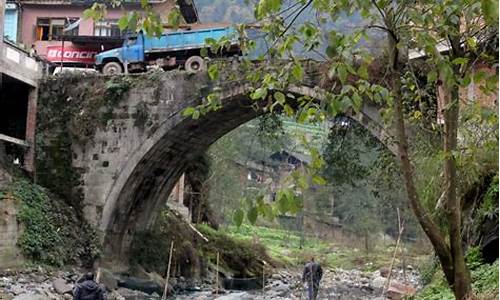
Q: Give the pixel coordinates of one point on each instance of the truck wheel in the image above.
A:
(195, 64)
(111, 68)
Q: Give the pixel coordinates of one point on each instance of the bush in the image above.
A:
(485, 279)
(52, 232)
(484, 284)
(474, 258)
(428, 269)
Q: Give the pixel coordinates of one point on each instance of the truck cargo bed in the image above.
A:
(185, 40)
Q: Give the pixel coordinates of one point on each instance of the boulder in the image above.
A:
(139, 272)
(236, 296)
(107, 279)
(397, 291)
(142, 285)
(159, 280)
(61, 287)
(129, 294)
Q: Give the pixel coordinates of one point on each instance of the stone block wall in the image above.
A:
(10, 230)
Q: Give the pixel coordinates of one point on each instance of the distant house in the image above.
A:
(271, 170)
(59, 33)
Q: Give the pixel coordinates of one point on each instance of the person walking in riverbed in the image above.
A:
(88, 289)
(312, 275)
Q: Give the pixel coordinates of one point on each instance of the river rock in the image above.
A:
(17, 290)
(129, 294)
(280, 290)
(31, 297)
(384, 272)
(61, 287)
(397, 291)
(236, 296)
(378, 282)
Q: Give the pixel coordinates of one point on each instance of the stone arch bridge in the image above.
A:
(116, 146)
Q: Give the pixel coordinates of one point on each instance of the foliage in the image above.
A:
(52, 233)
(489, 205)
(473, 257)
(485, 279)
(428, 269)
(150, 249)
(484, 283)
(438, 290)
(116, 87)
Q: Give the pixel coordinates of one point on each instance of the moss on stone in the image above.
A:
(52, 233)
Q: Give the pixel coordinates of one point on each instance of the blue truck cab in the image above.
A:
(172, 49)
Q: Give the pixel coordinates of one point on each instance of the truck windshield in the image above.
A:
(131, 40)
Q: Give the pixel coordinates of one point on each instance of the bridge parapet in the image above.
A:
(17, 63)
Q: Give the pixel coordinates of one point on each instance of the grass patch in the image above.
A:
(284, 246)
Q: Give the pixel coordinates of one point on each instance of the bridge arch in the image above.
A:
(148, 173)
(116, 146)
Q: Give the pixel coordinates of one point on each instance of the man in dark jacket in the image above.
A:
(312, 275)
(88, 289)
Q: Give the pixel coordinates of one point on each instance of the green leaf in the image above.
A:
(204, 52)
(342, 73)
(188, 111)
(490, 11)
(282, 201)
(268, 211)
(123, 22)
(297, 72)
(196, 115)
(363, 72)
(432, 76)
(357, 102)
(460, 61)
(295, 204)
(213, 72)
(302, 182)
(252, 215)
(238, 217)
(317, 179)
(334, 107)
(288, 110)
(331, 51)
(174, 17)
(259, 93)
(279, 97)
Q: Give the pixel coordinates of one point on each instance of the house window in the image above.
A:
(48, 29)
(107, 28)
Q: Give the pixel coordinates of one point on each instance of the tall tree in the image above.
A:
(463, 28)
